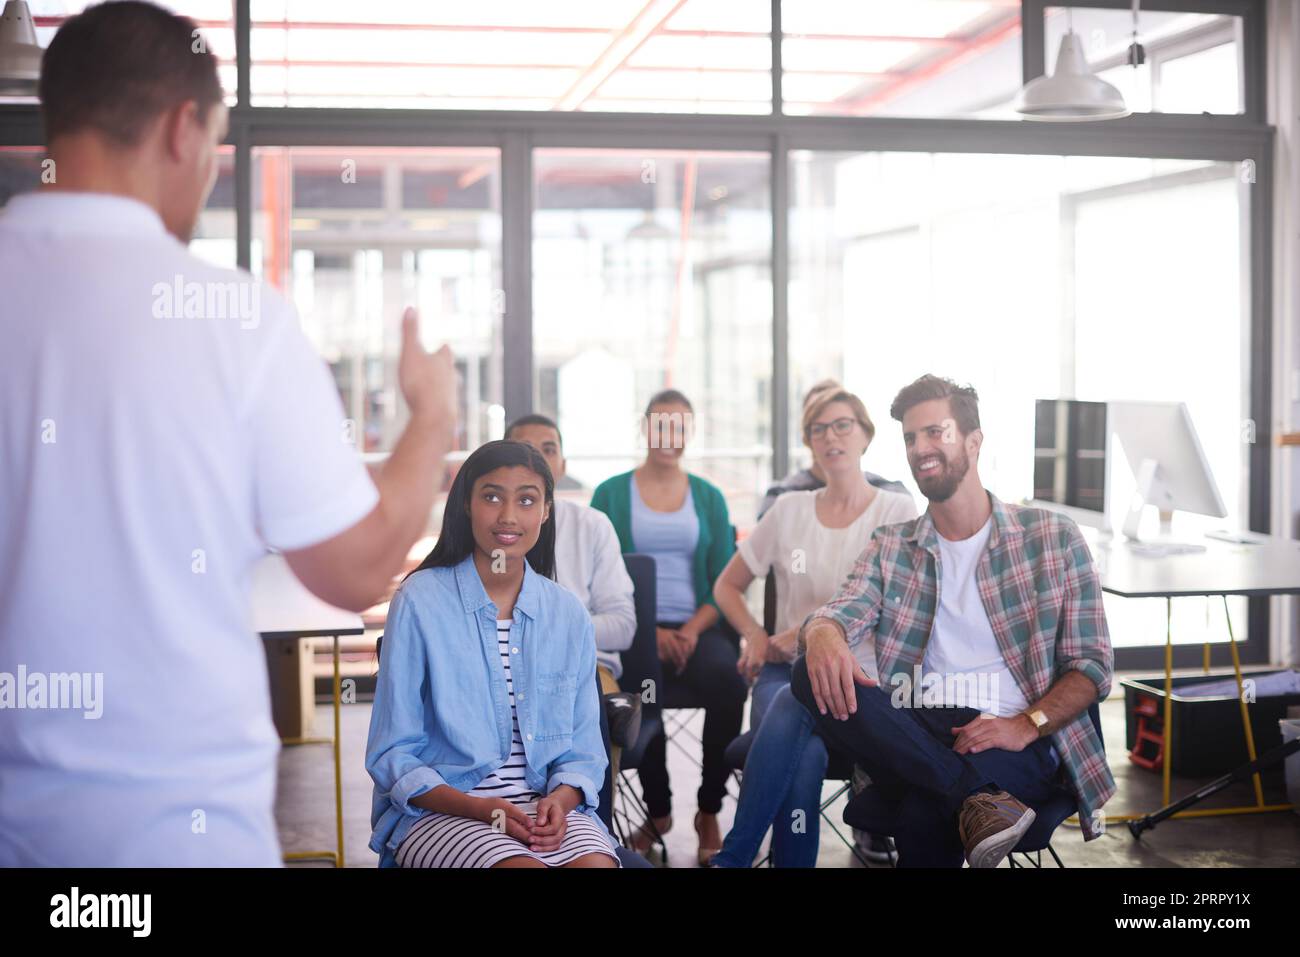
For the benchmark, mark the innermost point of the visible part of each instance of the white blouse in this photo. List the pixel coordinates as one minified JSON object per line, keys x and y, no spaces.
{"x":810,"y":560}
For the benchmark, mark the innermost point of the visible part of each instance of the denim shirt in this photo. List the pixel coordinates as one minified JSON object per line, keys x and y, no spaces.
{"x":441,"y":713}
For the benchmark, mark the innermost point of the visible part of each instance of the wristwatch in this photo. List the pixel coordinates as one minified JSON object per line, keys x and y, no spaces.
{"x":1038,"y":718}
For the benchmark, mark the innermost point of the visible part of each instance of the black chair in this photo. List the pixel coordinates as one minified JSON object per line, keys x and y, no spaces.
{"x":1049,"y":815}
{"x":642,"y":672}
{"x":870,"y":812}
{"x":626,"y":856}
{"x":606,"y":795}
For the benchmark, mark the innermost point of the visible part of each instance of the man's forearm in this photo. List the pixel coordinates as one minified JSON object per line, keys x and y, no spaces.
{"x":818,"y":627}
{"x":407,"y":486}
{"x":353,"y":570}
{"x":1068,"y":698}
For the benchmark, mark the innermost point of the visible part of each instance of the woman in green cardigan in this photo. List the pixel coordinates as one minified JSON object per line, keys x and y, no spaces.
{"x":659,"y":509}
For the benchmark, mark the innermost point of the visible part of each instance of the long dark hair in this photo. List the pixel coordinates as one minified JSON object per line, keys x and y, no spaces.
{"x":456,"y":540}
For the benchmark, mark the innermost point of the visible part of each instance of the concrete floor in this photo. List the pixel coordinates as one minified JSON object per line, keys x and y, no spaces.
{"x":305,"y":805}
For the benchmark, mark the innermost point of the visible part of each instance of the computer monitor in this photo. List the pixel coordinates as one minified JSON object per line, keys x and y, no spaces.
{"x":1167,"y":460}
{"x":1070,"y":459}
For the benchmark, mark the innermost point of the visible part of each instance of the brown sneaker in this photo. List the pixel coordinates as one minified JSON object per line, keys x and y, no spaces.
{"x":991,"y":825}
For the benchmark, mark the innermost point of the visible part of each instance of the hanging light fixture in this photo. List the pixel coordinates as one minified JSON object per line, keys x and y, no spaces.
{"x":1073,"y":94}
{"x":20,"y":54}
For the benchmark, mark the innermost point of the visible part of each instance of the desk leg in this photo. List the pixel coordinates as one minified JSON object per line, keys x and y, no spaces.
{"x":1241,"y":700}
{"x":338,"y":763}
{"x":335,"y":856}
{"x":1168,"y":756}
{"x":1259,"y":807}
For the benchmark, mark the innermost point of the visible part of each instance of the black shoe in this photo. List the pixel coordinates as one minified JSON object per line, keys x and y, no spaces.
{"x":623,"y":711}
{"x":876,"y":848}
{"x":881,"y":850}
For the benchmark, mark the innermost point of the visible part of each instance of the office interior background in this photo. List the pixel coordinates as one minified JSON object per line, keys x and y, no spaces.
{"x":595,"y":199}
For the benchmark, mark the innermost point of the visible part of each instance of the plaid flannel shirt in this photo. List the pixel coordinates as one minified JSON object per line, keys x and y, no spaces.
{"x":1044,"y":603}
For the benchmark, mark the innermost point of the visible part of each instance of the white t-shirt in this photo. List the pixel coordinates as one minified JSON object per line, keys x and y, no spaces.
{"x":147,"y":461}
{"x":962,"y":651}
{"x":810,"y":560}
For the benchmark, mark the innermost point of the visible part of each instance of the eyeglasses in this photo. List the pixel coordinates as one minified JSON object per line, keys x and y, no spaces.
{"x":840,"y":426}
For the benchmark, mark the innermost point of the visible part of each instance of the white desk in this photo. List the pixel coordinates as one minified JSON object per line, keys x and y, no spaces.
{"x":284,"y":610}
{"x":1270,"y":567}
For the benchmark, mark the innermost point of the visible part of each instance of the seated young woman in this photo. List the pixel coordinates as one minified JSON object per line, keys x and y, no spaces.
{"x":485,"y":744}
{"x":680,"y":520}
{"x":810,"y":540}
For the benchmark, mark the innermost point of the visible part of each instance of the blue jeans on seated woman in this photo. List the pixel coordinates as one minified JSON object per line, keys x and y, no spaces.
{"x":771,"y":679}
{"x":781,"y":787}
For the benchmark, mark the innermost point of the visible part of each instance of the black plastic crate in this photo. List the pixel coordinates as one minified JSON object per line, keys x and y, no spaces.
{"x":1208,"y":736}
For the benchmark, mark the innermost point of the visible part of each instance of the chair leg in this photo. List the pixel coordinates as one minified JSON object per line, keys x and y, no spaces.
{"x":1036,"y":860}
{"x":674,"y":725}
{"x":619,"y":815}
{"x":830,"y":822}
{"x":644,"y":811}
{"x":851,"y":845}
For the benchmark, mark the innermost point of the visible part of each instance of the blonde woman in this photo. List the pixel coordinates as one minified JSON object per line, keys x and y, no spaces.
{"x":810,"y":540}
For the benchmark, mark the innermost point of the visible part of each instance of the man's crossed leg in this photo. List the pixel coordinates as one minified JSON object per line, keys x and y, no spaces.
{"x":948,"y":804}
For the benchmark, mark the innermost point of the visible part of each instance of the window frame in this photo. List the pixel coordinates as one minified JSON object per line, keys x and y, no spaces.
{"x":1244,"y":138}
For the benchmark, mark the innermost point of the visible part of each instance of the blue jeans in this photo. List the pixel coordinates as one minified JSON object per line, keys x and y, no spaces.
{"x":771,"y":679}
{"x":782,"y":784}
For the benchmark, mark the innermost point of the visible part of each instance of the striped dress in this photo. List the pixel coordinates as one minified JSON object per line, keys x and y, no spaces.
{"x":447,"y":840}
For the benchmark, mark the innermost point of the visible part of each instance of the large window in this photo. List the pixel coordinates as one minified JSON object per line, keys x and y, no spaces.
{"x":355,"y":236}
{"x":657,"y":56}
{"x":1030,"y":277}
{"x":650,"y":270}
{"x":918,"y":58}
{"x":441,"y":154}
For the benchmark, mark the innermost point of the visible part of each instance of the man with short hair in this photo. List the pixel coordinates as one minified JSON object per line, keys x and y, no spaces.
{"x":998,"y":608}
{"x":162,"y":423}
{"x":589,"y":562}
